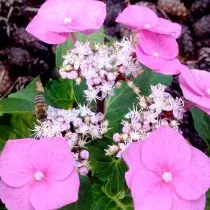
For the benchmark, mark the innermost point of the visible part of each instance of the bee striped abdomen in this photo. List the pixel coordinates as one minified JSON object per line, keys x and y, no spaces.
{"x":40,"y":107}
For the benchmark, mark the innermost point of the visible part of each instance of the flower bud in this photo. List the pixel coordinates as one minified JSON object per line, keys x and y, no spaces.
{"x":94,"y":119}
{"x":97,"y":80}
{"x":117,"y":137}
{"x":72,"y":75}
{"x":83,"y":171}
{"x":84,"y":154}
{"x":77,"y":122}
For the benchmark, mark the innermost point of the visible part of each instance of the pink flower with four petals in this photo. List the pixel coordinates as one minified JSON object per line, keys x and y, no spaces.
{"x":195,"y":85}
{"x":37,"y":175}
{"x":56,"y":19}
{"x":167,"y":173}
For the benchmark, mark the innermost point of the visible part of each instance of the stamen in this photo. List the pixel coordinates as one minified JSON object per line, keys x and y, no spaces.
{"x":147,"y":26}
{"x":38,"y":176}
{"x":156,"y":54}
{"x":167,"y":176}
{"x":67,"y":20}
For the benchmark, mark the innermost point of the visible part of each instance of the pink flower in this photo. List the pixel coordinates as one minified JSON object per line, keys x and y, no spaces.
{"x":157,"y":61}
{"x":57,"y":18}
{"x":166,"y":172}
{"x":157,"y":47}
{"x":195,"y":85}
{"x":37,"y":175}
{"x":143,"y":18}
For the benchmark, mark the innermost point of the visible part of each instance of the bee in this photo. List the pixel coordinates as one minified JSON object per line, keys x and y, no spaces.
{"x":40,"y":107}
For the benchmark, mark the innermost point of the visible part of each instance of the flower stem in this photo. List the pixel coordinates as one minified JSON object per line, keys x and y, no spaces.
{"x":100,"y":104}
{"x":73,"y":38}
{"x":188,"y":106}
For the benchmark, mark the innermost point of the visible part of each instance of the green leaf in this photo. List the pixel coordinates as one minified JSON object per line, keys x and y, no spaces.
{"x":201,"y":123}
{"x":85,"y":196}
{"x":59,"y":93}
{"x":148,"y":78}
{"x":14,"y":105}
{"x":21,"y":101}
{"x":117,"y":106}
{"x":208,"y":201}
{"x":93,"y":38}
{"x":28,"y":93}
{"x":109,"y":170}
{"x":15,"y":126}
{"x":104,"y":201}
{"x":124,"y":98}
{"x":79,"y":92}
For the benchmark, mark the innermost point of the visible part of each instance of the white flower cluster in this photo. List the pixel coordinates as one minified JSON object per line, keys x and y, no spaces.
{"x":78,"y":126}
{"x":158,"y":109}
{"x":102,"y":67}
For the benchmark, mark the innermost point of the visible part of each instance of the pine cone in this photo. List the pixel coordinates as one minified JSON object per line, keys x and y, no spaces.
{"x":204,"y":58}
{"x":173,"y":7}
{"x":186,"y":43}
{"x":202,"y":27}
{"x":203,"y":43}
{"x":5,"y":80}
{"x":200,"y":8}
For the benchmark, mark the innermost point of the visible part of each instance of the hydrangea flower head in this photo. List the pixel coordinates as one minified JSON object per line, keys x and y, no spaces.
{"x":166,"y":171}
{"x":37,"y":175}
{"x":195,"y":85}
{"x":57,"y":18}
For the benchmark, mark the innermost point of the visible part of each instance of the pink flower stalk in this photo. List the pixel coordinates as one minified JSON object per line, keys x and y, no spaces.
{"x":195,"y":85}
{"x":166,"y":172}
{"x":143,"y":18}
{"x":157,"y":47}
{"x":37,"y":175}
{"x":56,"y":19}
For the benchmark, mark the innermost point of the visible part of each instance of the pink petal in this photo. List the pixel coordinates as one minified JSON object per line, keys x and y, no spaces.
{"x":16,"y":198}
{"x":55,"y":12}
{"x":132,"y":157}
{"x":194,"y":84}
{"x":171,"y":67}
{"x":194,"y":181}
{"x":165,"y":150}
{"x":157,"y":64}
{"x":167,"y":27}
{"x":152,"y":43}
{"x":148,"y":191}
{"x":85,"y":16}
{"x":181,"y":204}
{"x":191,"y":79}
{"x":137,"y":17}
{"x":15,"y":170}
{"x":53,"y":157}
{"x":95,"y":14}
{"x":143,"y":183}
{"x":55,"y":194}
{"x":36,"y":28}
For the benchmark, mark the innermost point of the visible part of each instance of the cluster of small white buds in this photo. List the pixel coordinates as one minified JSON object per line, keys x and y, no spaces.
{"x":160,"y":108}
{"x":102,"y":67}
{"x":78,"y":126}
